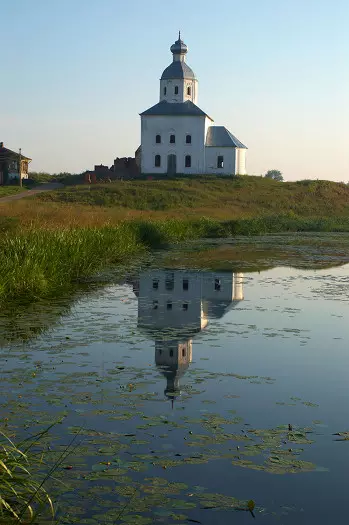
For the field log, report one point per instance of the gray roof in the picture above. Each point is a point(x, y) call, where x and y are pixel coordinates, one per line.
point(187, 108)
point(178, 70)
point(220, 137)
point(217, 309)
point(179, 47)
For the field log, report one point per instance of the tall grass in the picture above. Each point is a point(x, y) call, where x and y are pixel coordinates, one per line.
point(22, 496)
point(42, 263)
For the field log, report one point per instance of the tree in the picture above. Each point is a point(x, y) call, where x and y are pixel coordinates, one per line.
point(274, 174)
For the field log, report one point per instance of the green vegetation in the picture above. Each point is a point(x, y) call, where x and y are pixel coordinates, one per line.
point(43, 263)
point(52, 241)
point(5, 191)
point(22, 496)
point(63, 177)
point(275, 175)
point(233, 197)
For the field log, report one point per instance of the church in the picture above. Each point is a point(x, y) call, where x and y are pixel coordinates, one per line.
point(179, 137)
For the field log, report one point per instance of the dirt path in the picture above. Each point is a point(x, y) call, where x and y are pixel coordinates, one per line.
point(37, 189)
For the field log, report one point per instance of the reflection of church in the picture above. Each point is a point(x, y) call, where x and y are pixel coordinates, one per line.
point(173, 306)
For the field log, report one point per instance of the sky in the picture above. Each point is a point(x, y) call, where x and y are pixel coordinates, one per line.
point(75, 74)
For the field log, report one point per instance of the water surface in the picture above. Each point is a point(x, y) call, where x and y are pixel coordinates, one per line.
point(186, 393)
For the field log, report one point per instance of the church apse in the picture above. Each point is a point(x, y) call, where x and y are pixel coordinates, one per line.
point(174, 306)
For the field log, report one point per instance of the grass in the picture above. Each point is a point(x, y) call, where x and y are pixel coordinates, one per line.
point(237, 195)
point(6, 191)
point(36, 264)
point(180, 198)
point(52, 241)
point(22, 496)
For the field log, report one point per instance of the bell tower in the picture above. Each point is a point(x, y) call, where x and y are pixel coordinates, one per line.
point(178, 82)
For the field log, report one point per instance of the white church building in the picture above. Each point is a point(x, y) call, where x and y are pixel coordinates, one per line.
point(179, 137)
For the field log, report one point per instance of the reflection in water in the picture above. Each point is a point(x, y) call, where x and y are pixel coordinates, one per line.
point(173, 306)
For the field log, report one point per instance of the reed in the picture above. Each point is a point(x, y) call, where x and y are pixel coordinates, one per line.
point(44, 263)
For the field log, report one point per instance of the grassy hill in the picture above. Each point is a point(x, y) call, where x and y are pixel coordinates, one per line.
point(182, 198)
point(49, 242)
point(238, 195)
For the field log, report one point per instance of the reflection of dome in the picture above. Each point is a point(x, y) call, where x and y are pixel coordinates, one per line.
point(173, 376)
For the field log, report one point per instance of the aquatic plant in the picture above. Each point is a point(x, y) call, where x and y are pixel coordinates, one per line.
point(22, 495)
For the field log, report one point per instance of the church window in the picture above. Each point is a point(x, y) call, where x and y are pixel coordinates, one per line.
point(155, 284)
point(158, 139)
point(157, 161)
point(172, 139)
point(176, 90)
point(185, 284)
point(183, 352)
point(171, 353)
point(189, 91)
point(165, 91)
point(217, 285)
point(188, 139)
point(185, 307)
point(188, 161)
point(155, 305)
point(220, 161)
point(169, 305)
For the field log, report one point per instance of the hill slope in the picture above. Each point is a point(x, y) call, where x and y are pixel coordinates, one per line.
point(240, 195)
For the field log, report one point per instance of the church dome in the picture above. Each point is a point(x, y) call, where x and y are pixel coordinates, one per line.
point(178, 70)
point(179, 47)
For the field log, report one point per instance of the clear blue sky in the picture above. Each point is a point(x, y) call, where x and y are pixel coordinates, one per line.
point(75, 74)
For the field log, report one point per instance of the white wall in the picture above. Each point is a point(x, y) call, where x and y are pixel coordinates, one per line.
point(228, 155)
point(201, 290)
point(182, 85)
point(179, 126)
point(241, 161)
point(191, 320)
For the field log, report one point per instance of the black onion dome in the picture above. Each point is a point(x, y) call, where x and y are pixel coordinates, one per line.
point(179, 47)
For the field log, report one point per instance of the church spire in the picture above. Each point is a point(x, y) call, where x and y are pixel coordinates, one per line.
point(178, 82)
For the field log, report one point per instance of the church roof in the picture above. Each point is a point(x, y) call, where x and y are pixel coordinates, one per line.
point(187, 108)
point(178, 70)
point(220, 137)
point(217, 309)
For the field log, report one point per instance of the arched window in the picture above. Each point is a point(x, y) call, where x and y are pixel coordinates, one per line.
point(220, 161)
point(188, 161)
point(171, 353)
point(158, 139)
point(172, 139)
point(188, 139)
point(176, 90)
point(183, 352)
point(157, 161)
point(165, 90)
point(189, 91)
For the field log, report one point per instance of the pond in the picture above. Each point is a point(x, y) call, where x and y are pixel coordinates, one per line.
point(190, 393)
